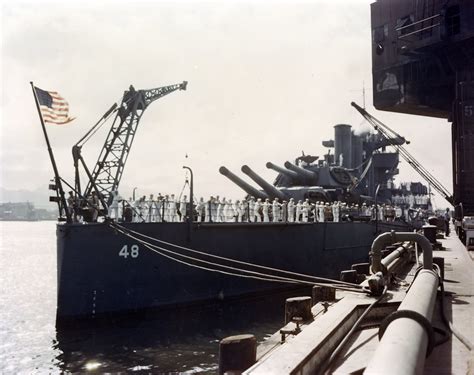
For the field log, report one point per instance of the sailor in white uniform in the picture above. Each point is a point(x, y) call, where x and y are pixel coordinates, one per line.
point(276, 210)
point(335, 211)
point(256, 211)
point(305, 210)
point(159, 208)
point(265, 209)
point(166, 211)
point(136, 210)
point(381, 212)
point(251, 208)
point(200, 205)
point(229, 211)
point(321, 217)
point(208, 209)
point(299, 207)
point(172, 209)
point(220, 207)
point(144, 209)
point(214, 204)
point(114, 206)
point(291, 210)
point(316, 212)
point(238, 211)
point(243, 212)
point(148, 207)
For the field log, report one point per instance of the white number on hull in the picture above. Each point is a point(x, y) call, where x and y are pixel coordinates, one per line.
point(134, 251)
point(125, 253)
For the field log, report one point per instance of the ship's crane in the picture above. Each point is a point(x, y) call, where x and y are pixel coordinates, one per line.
point(392, 136)
point(108, 170)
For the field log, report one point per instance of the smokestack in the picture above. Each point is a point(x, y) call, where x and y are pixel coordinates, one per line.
point(357, 150)
point(343, 145)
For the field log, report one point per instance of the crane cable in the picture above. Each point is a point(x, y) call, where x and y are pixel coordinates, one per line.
point(418, 167)
point(380, 127)
point(384, 130)
point(268, 277)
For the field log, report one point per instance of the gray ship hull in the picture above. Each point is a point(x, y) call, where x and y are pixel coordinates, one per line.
point(101, 271)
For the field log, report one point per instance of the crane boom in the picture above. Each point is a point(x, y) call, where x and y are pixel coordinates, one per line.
point(109, 168)
point(391, 136)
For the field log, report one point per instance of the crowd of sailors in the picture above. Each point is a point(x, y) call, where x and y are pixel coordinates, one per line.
point(169, 208)
point(411, 200)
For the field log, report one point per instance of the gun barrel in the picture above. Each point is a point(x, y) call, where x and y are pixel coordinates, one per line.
point(249, 189)
point(301, 171)
point(282, 170)
point(271, 190)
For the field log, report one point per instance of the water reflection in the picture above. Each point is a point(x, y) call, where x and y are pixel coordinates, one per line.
point(185, 340)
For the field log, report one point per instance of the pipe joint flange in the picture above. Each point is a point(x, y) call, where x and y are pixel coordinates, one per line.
point(417, 317)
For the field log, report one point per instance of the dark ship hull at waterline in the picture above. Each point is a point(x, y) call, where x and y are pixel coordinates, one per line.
point(95, 279)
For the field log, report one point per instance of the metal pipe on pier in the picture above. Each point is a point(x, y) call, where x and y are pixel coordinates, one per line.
point(389, 238)
point(403, 347)
point(286, 172)
point(395, 254)
point(249, 189)
point(271, 190)
point(304, 173)
point(413, 317)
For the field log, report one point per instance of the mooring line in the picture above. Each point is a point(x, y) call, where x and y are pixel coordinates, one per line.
point(338, 285)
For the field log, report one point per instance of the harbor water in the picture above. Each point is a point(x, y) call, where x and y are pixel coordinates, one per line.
point(168, 342)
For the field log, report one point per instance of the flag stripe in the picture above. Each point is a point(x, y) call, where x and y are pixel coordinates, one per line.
point(53, 113)
point(54, 110)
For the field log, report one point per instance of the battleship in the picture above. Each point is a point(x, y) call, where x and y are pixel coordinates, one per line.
point(128, 262)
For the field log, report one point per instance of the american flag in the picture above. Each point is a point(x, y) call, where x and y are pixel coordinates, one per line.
point(54, 108)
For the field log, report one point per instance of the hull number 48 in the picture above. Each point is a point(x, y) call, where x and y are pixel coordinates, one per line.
point(125, 252)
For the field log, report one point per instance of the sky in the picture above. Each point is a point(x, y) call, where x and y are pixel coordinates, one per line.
point(267, 80)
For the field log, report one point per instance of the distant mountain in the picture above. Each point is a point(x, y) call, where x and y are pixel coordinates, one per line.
point(39, 197)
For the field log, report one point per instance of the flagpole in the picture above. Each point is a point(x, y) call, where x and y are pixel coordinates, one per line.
point(53, 161)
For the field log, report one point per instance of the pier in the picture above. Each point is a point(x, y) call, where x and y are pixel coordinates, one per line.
point(413, 346)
